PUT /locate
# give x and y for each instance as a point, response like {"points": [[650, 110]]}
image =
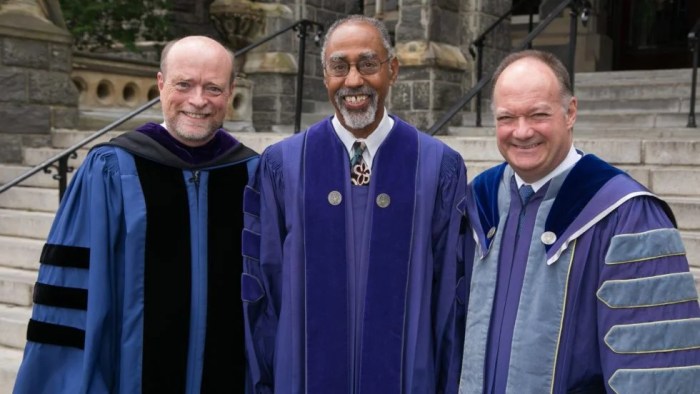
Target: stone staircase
{"points": [[635, 120]]}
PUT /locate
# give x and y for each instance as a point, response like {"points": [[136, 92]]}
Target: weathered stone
{"points": [[273, 83], [442, 26], [24, 118], [10, 148], [13, 84], [401, 96], [314, 89], [408, 3], [25, 53], [453, 76], [61, 58], [52, 88], [445, 95], [452, 5], [266, 103], [421, 95], [421, 119], [65, 117], [335, 6], [326, 17], [409, 73], [410, 25]]}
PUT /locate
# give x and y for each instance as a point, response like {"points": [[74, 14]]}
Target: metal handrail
{"points": [[575, 5], [62, 168], [694, 43], [477, 54]]}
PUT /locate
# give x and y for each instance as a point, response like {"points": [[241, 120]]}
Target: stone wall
{"points": [[37, 92]]}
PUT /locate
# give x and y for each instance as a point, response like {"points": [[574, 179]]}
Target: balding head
{"points": [[196, 87], [192, 44]]}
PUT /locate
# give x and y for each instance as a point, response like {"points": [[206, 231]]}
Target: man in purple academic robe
{"points": [[351, 275], [580, 282]]}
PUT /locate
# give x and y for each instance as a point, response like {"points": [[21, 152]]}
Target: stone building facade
{"points": [[433, 41]]}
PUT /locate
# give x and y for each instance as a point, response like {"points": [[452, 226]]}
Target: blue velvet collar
{"points": [[582, 183]]}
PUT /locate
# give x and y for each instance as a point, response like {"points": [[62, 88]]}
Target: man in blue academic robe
{"points": [[580, 282], [138, 289], [351, 275]]}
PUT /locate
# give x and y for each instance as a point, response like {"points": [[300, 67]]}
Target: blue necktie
{"points": [[526, 192]]}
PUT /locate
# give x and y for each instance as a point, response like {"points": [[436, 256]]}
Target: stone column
{"points": [[35, 66], [270, 68], [432, 66]]}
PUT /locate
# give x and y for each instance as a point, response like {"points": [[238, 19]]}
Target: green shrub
{"points": [[97, 24]]}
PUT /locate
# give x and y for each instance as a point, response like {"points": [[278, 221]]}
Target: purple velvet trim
{"points": [[389, 260], [222, 142], [327, 359]]}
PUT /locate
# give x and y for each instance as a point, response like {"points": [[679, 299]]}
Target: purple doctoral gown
{"points": [[354, 289], [583, 289]]}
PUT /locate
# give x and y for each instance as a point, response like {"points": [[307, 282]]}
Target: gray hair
{"points": [[376, 23]]}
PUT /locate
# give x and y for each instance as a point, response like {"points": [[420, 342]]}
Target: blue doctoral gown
{"points": [[137, 288], [353, 289], [585, 289]]}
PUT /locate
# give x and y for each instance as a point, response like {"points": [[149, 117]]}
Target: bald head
{"points": [[193, 46], [196, 87]]}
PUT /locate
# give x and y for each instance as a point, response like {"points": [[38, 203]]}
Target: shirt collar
{"points": [[373, 140], [571, 158]]}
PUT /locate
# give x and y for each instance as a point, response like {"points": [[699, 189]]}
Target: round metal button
{"points": [[491, 233], [548, 238], [335, 198], [383, 200]]}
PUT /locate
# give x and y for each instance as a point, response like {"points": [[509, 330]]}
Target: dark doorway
{"points": [[651, 34]]}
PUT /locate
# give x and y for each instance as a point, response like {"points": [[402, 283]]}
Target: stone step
{"points": [[9, 172], [16, 286], [13, 325], [675, 181], [64, 139], [687, 212], [94, 119], [17, 223], [30, 199], [22, 253], [10, 360], [633, 76], [36, 156], [644, 105], [633, 90]]}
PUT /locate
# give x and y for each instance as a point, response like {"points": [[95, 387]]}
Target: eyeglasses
{"points": [[341, 68]]}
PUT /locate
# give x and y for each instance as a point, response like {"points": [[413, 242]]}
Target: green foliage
{"points": [[103, 23]]}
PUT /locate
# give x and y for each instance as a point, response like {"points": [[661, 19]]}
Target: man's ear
{"points": [[571, 113], [161, 80], [394, 68]]}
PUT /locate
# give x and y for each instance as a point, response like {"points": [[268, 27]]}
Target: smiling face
{"points": [[534, 128], [358, 99], [195, 89]]}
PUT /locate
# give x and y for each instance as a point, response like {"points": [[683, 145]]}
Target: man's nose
{"points": [[522, 129], [196, 98], [354, 78]]}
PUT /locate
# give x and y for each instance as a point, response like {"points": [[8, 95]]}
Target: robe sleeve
{"points": [[262, 267], [72, 334], [648, 312], [449, 303]]}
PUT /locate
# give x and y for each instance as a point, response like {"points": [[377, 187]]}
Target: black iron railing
{"points": [[59, 163], [476, 49], [694, 43], [578, 7]]}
